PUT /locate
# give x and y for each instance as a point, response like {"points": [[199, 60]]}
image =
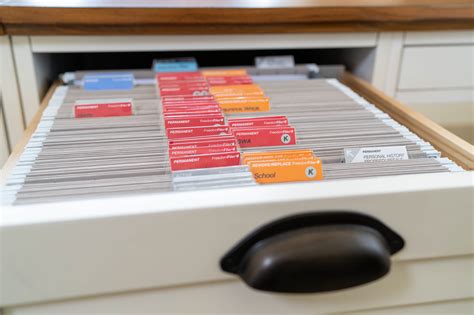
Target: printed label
{"points": [[191, 108], [194, 122], [175, 65], [244, 105], [186, 98], [265, 137], [184, 90], [179, 76], [287, 171], [282, 159], [236, 90], [275, 62], [290, 154], [204, 161], [202, 150], [199, 113], [224, 72], [164, 88], [258, 122], [188, 132], [214, 143], [83, 109], [189, 104], [375, 154], [229, 80], [108, 81]]}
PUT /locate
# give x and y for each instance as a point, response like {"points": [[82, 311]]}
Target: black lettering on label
{"points": [[264, 175], [245, 141]]}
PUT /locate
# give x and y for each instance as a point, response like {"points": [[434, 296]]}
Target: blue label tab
{"points": [[108, 81], [175, 65]]}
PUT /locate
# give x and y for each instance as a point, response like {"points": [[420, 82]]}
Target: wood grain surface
{"points": [[107, 17]]}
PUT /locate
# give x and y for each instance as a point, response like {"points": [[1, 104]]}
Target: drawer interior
{"points": [[49, 63], [449, 145]]}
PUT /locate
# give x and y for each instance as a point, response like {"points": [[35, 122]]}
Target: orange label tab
{"points": [[277, 152], [224, 72], [236, 90], [284, 159], [302, 154], [244, 105], [287, 171]]}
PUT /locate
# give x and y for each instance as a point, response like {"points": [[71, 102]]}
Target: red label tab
{"points": [[200, 139], [183, 91], [202, 150], [103, 110], [184, 108], [259, 122], [231, 142], [189, 104], [175, 76], [199, 113], [204, 161], [186, 98], [188, 132], [264, 137], [194, 122], [229, 80], [185, 85]]}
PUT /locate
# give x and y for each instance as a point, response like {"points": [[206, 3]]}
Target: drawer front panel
{"points": [[423, 281], [437, 67], [458, 307], [41, 44], [441, 97], [437, 38], [114, 245]]}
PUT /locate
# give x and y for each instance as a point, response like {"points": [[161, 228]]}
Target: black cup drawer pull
{"points": [[314, 252]]}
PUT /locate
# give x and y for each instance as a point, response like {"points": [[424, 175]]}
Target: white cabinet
{"points": [[413, 282], [160, 253], [11, 112], [436, 78], [440, 67]]}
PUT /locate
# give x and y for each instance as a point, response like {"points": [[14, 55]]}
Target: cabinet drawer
{"points": [[433, 67], [103, 246], [459, 307], [419, 281]]}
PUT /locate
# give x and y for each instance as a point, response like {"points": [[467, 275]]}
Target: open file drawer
{"points": [[161, 253]]}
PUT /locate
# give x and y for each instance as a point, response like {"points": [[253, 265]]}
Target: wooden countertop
{"points": [[109, 17]]}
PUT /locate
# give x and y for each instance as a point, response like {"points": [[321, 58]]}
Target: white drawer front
{"points": [[441, 37], [43, 44], [437, 97], [411, 282], [458, 307], [433, 67], [447, 110], [114, 245]]}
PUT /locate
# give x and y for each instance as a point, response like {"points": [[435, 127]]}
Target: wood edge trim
{"points": [[25, 138], [450, 145], [211, 29]]}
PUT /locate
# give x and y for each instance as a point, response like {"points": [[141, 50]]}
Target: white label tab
{"points": [[359, 155], [274, 62]]}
